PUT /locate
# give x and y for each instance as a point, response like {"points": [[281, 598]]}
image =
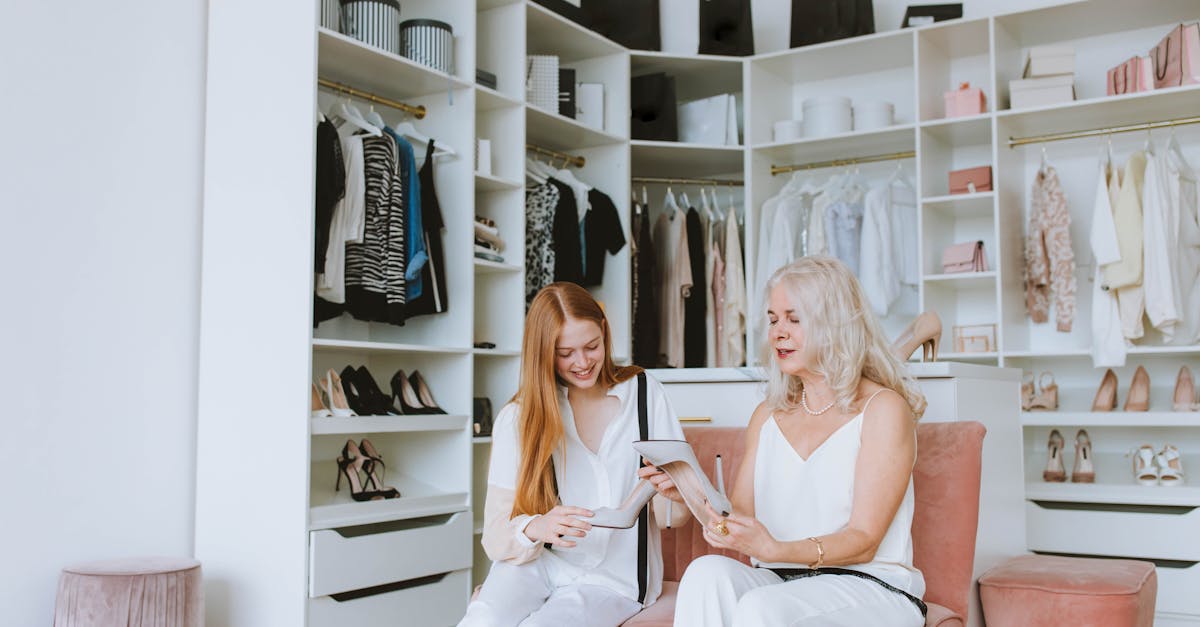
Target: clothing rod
{"points": [[654, 180], [895, 156], [417, 111], [574, 160], [1013, 142]]}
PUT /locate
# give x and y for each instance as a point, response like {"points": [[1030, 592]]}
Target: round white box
{"points": [[786, 130], [827, 115], [873, 114]]}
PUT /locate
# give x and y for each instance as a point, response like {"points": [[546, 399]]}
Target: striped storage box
{"points": [[331, 14], [428, 42], [373, 22], [541, 81]]}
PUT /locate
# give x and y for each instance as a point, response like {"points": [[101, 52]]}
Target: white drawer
{"points": [[362, 557], [1068, 528], [1177, 592], [438, 603]]}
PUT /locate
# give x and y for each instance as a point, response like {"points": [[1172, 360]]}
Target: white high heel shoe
{"points": [[337, 396], [626, 515], [1145, 472], [1170, 466], [676, 458]]}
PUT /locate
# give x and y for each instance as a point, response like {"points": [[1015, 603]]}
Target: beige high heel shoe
{"points": [[1084, 470], [1027, 391], [1185, 391], [1138, 398], [1047, 398], [1106, 394], [925, 331], [1055, 471], [318, 408]]}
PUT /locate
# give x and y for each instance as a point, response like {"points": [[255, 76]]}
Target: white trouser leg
{"points": [[583, 606], [509, 594], [827, 601], [711, 587]]}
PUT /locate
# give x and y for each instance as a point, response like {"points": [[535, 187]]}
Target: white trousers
{"points": [[521, 595], [717, 591]]}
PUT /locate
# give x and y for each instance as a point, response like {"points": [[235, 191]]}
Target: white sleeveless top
{"points": [[797, 498]]}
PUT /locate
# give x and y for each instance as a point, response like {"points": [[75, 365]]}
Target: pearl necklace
{"points": [[804, 404]]}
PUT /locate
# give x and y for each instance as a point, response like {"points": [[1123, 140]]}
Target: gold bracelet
{"points": [[820, 554]]}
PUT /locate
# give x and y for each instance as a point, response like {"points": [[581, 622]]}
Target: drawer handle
{"points": [[342, 597], [1174, 510], [396, 525]]}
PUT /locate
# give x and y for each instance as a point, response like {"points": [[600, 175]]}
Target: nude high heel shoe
{"points": [[925, 331], [1185, 391], [318, 409], [1055, 471], [676, 458], [1106, 394], [1138, 398], [1084, 470], [1047, 398], [626, 515], [1027, 393]]}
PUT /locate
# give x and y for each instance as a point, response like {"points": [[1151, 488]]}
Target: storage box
{"points": [[971, 180], [965, 100], [827, 115], [428, 42], [590, 100], [975, 338], [873, 114], [566, 92], [1049, 61], [541, 81], [1039, 92]]}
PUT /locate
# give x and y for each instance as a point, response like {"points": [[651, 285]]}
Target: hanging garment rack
{"points": [[417, 111], [1013, 142], [574, 160], [895, 156], [654, 180]]}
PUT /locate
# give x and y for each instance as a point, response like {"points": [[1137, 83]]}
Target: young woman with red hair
{"points": [[562, 459]]}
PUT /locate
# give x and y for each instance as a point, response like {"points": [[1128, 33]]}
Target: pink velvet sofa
{"points": [[946, 485]]}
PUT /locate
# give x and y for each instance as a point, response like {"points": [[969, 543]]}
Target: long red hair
{"points": [[539, 421]]}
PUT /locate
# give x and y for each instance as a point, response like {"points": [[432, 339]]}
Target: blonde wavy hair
{"points": [[843, 340]]}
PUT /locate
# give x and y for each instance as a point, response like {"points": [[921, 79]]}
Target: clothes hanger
{"points": [[535, 170], [374, 118], [669, 204], [898, 175], [1042, 167], [406, 129], [352, 116], [645, 198]]}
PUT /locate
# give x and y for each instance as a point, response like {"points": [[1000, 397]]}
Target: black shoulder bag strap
{"points": [[644, 516]]}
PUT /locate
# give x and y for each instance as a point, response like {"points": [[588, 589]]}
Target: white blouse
{"points": [[605, 557]]}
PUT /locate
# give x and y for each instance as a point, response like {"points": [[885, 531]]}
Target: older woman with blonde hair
{"points": [[823, 500], [565, 521]]}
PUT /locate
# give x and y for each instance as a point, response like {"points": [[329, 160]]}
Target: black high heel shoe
{"points": [[404, 398], [423, 393], [350, 463], [356, 396], [375, 460], [380, 401]]}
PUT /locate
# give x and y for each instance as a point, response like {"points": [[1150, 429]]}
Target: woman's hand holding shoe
{"points": [[744, 534], [661, 481], [556, 525]]}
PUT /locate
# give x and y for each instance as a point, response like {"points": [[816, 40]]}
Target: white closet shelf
{"points": [[492, 183], [888, 50], [696, 76], [1104, 112], [329, 509], [550, 33], [969, 357], [358, 346], [487, 266], [680, 160], [557, 132], [1089, 419], [1076, 20], [495, 352], [1114, 482], [966, 280], [968, 130], [482, 439], [485, 5], [899, 138], [487, 99], [977, 205], [387, 424], [1087, 353], [348, 60]]}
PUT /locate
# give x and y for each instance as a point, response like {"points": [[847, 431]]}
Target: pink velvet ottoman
{"points": [[1036, 590], [136, 592]]}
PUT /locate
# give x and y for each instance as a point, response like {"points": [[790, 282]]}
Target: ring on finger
{"points": [[720, 528]]}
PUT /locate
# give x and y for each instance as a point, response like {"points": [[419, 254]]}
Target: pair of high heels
{"points": [[1043, 399], [676, 458], [355, 393], [363, 468], [329, 398], [1163, 468], [1137, 399], [1084, 469], [925, 331]]}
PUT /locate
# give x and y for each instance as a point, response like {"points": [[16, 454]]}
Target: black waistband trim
{"points": [[788, 574]]}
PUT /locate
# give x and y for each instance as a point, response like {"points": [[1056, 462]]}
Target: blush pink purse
{"points": [[1134, 75], [964, 257], [1177, 57]]}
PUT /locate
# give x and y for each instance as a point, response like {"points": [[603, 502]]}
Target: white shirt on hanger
{"points": [[1108, 342]]}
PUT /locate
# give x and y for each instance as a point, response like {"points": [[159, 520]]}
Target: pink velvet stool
{"points": [[135, 592], [1036, 590]]}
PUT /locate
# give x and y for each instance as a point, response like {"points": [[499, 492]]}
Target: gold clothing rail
{"points": [[654, 180], [895, 156], [417, 111], [1013, 142], [574, 160]]}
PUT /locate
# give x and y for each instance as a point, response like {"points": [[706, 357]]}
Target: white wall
{"points": [[100, 179]]}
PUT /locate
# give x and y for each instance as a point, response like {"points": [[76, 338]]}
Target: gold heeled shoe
{"points": [[924, 331], [1138, 398]]}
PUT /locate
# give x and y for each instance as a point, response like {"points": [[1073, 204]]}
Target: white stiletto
{"points": [[676, 458], [626, 515]]}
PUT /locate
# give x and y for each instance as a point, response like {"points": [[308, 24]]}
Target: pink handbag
{"points": [[971, 180], [1177, 57], [964, 257], [1134, 75]]}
